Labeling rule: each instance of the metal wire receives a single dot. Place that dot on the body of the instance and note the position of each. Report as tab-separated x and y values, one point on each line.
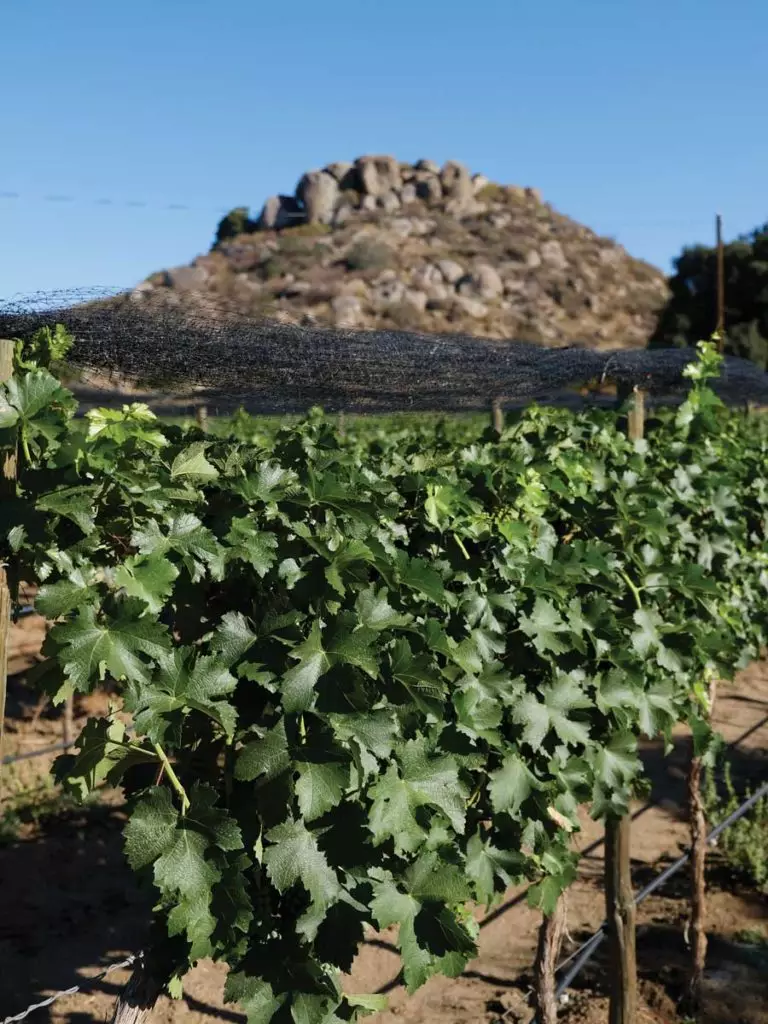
74	989
54	748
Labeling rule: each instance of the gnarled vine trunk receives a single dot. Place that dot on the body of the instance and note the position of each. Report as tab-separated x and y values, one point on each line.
138	998
698	827
548	951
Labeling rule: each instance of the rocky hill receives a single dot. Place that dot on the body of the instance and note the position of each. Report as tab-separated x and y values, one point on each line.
378	243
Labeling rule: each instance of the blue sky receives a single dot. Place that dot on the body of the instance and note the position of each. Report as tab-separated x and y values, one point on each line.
639	119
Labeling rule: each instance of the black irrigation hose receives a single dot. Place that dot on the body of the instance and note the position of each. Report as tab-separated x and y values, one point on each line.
587	950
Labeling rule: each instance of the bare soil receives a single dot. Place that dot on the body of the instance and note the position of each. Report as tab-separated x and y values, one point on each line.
69	905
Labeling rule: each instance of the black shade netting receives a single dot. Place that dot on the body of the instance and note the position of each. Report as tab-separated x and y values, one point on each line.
204	348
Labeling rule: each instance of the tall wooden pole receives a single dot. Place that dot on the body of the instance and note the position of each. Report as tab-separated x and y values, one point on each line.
720	280
619	896
7	493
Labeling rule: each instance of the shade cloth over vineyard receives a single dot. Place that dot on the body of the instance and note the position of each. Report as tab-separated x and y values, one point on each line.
187	346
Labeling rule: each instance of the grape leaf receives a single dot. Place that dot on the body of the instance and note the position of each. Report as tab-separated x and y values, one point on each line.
90	647
293	856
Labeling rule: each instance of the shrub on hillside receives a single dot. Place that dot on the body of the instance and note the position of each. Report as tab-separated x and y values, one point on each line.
369	254
236	222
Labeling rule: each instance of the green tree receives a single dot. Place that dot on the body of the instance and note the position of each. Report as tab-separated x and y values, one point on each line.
236	222
691	312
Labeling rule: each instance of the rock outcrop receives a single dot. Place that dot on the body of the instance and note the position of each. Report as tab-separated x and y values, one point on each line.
379	243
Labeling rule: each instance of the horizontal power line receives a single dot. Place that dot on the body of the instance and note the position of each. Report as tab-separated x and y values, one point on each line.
9	195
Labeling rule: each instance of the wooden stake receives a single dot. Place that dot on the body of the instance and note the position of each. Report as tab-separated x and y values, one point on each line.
201	415
497	416
7	492
619	896
547	954
720	281
636	416
698	827
620	915
68	721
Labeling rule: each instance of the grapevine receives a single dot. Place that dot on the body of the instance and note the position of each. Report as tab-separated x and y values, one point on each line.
372	679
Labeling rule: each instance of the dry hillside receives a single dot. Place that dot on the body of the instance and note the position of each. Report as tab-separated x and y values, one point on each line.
380	244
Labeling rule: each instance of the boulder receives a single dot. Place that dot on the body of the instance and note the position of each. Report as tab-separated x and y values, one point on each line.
611	255
342	214
388	293
429	188
427	165
280	212
422	225
378	174
347	310
483	283
479	181
456	182
408	193
425	276
415	300
472	307
553	255
318	192
355	286
451	270
389	202
514	286
499	220
293	289
439	296
402	227
345	173
186	279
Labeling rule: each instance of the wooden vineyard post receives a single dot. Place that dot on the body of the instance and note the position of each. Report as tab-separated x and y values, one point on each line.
720	281
636	418
201	415
497	415
698	827
547	953
68	726
620	915
619	895
7	492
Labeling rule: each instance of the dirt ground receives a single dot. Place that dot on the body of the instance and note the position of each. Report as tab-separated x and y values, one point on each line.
69	905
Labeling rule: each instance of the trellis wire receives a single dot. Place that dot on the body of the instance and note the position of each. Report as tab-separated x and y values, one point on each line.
128	962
